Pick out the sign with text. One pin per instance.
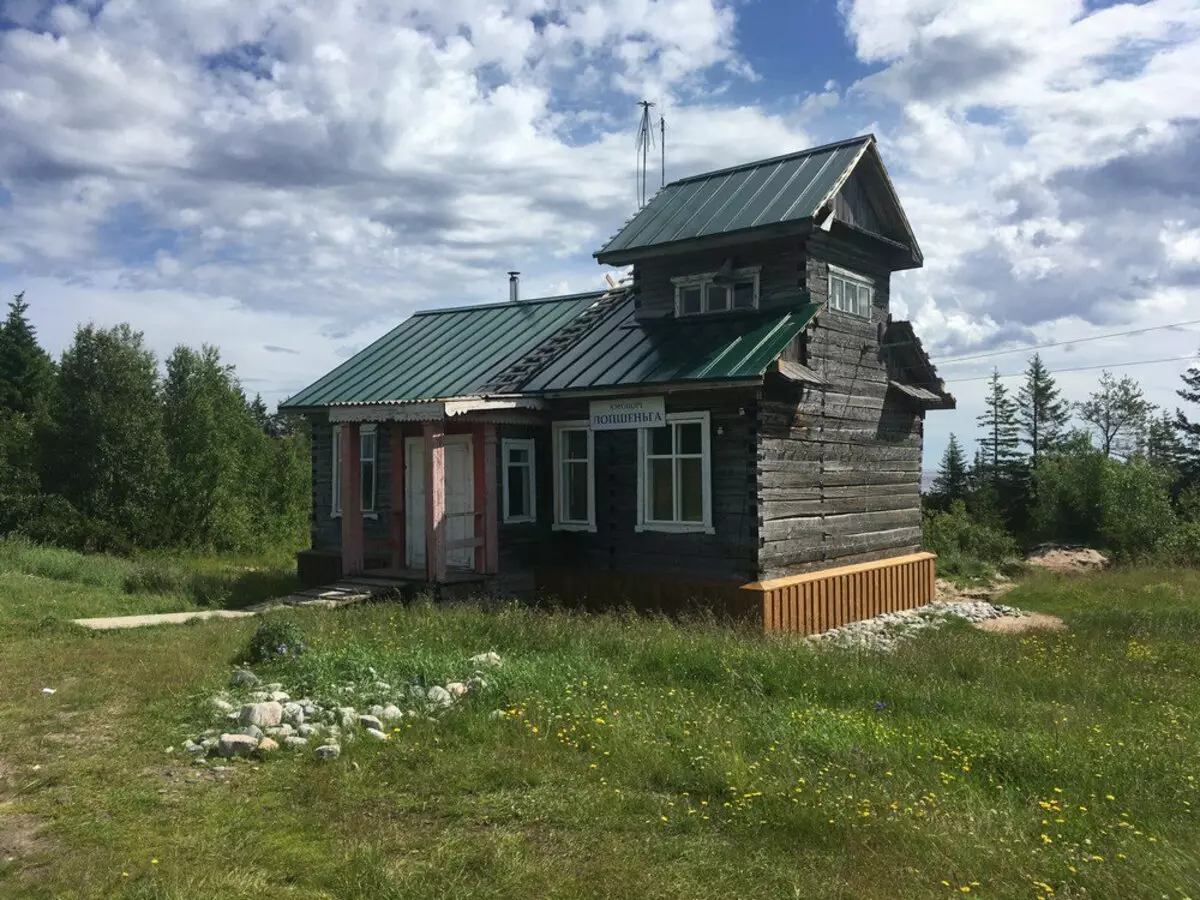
(631, 412)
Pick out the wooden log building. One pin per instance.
(738, 422)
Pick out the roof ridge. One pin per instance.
(520, 371)
(532, 301)
(754, 164)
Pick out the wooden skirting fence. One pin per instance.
(803, 604)
(817, 601)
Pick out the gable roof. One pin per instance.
(783, 192)
(443, 353)
(911, 371)
(620, 351)
(787, 188)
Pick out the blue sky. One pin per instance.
(287, 179)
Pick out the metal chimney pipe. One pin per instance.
(514, 286)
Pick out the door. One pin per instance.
(460, 500)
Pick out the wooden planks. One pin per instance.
(818, 601)
(435, 502)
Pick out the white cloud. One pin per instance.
(303, 174)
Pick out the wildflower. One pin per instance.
(154, 862)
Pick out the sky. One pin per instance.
(288, 179)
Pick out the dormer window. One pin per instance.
(716, 292)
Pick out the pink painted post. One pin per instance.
(435, 502)
(491, 501)
(479, 498)
(352, 520)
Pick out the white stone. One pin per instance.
(456, 688)
(279, 696)
(266, 745)
(347, 716)
(307, 731)
(377, 734)
(328, 751)
(382, 686)
(391, 711)
(489, 659)
(294, 743)
(376, 711)
(262, 714)
(477, 683)
(243, 678)
(280, 731)
(371, 723)
(293, 714)
(222, 706)
(439, 696)
(236, 745)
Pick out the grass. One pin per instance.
(634, 757)
(50, 583)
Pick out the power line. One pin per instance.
(1098, 337)
(1121, 365)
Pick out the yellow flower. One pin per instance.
(154, 862)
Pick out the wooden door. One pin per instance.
(460, 500)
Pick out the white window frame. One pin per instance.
(644, 523)
(336, 486)
(507, 445)
(848, 277)
(561, 524)
(703, 280)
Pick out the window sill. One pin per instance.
(558, 526)
(676, 528)
(366, 515)
(524, 520)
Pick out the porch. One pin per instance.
(439, 523)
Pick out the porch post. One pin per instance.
(396, 536)
(352, 520)
(491, 501)
(435, 502)
(479, 500)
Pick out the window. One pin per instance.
(850, 292)
(711, 292)
(574, 489)
(368, 449)
(520, 493)
(674, 475)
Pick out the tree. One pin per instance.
(1041, 414)
(102, 449)
(1118, 412)
(26, 370)
(951, 481)
(1164, 446)
(1191, 393)
(1000, 438)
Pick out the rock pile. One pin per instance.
(270, 719)
(886, 631)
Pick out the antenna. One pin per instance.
(662, 130)
(645, 140)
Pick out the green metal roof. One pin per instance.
(770, 192)
(620, 351)
(443, 353)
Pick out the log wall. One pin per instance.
(839, 468)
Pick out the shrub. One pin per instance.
(1181, 546)
(276, 637)
(955, 534)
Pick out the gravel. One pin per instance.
(886, 631)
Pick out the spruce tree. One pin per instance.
(951, 481)
(1040, 413)
(1000, 436)
(26, 370)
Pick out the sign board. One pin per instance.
(629, 412)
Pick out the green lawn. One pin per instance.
(635, 758)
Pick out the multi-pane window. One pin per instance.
(673, 476)
(520, 497)
(574, 493)
(368, 451)
(712, 292)
(850, 292)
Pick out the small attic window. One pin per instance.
(714, 292)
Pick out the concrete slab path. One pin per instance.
(111, 622)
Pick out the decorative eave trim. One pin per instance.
(432, 410)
